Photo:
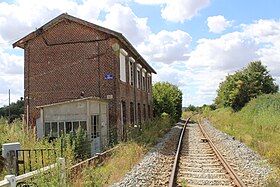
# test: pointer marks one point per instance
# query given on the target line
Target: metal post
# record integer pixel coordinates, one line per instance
(16, 163)
(9, 107)
(62, 167)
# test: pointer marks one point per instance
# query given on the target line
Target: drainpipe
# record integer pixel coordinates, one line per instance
(98, 61)
(28, 90)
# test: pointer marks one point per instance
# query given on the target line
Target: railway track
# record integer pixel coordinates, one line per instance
(199, 163)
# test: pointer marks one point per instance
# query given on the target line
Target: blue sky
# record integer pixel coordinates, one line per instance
(191, 43)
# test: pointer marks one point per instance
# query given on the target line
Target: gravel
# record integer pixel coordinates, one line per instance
(155, 168)
(253, 170)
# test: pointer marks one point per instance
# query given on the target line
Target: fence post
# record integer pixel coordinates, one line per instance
(12, 180)
(61, 162)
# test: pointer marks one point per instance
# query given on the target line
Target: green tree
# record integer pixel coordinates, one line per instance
(167, 98)
(238, 89)
(16, 110)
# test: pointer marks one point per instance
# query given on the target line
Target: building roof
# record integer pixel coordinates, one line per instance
(72, 101)
(21, 43)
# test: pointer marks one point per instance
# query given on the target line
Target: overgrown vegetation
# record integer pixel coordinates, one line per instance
(15, 132)
(126, 156)
(257, 125)
(122, 160)
(167, 98)
(238, 89)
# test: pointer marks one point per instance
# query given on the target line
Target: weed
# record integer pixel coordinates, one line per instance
(184, 183)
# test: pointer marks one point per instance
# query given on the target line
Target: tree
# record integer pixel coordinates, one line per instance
(167, 98)
(16, 110)
(239, 88)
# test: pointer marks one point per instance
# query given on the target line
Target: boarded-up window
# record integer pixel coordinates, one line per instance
(123, 54)
(131, 71)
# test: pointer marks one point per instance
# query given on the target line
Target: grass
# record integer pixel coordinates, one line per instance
(15, 132)
(122, 160)
(126, 156)
(257, 125)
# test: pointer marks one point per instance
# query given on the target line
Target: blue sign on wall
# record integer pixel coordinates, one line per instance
(108, 77)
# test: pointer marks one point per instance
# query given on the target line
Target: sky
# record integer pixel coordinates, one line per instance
(193, 44)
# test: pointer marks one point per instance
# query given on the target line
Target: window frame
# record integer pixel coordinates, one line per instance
(123, 55)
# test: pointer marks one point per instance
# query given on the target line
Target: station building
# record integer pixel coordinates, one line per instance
(78, 74)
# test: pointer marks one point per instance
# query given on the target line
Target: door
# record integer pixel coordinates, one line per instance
(123, 121)
(95, 134)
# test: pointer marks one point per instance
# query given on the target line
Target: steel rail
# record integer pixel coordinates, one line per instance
(174, 169)
(237, 181)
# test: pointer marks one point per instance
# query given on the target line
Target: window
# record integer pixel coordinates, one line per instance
(144, 83)
(75, 126)
(47, 129)
(55, 129)
(149, 111)
(139, 113)
(54, 132)
(61, 128)
(123, 107)
(131, 112)
(131, 71)
(123, 54)
(68, 127)
(144, 111)
(138, 78)
(83, 125)
(149, 82)
(95, 126)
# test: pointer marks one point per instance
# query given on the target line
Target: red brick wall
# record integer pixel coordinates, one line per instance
(65, 60)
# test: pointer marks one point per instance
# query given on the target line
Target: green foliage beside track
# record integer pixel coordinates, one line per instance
(257, 125)
(238, 89)
(167, 98)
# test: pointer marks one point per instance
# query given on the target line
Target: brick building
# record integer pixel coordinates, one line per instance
(69, 58)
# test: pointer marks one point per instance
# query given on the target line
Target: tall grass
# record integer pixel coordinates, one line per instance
(257, 125)
(126, 156)
(15, 132)
(121, 161)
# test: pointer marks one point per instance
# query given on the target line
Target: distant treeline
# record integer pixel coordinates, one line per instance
(16, 110)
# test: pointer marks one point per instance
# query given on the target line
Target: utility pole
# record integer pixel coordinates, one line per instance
(9, 106)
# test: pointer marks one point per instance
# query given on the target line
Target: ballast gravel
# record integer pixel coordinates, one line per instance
(252, 169)
(155, 168)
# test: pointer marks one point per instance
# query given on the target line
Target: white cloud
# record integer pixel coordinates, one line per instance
(181, 10)
(122, 19)
(11, 77)
(10, 64)
(178, 10)
(150, 2)
(266, 34)
(229, 52)
(233, 51)
(21, 17)
(170, 73)
(218, 24)
(166, 46)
